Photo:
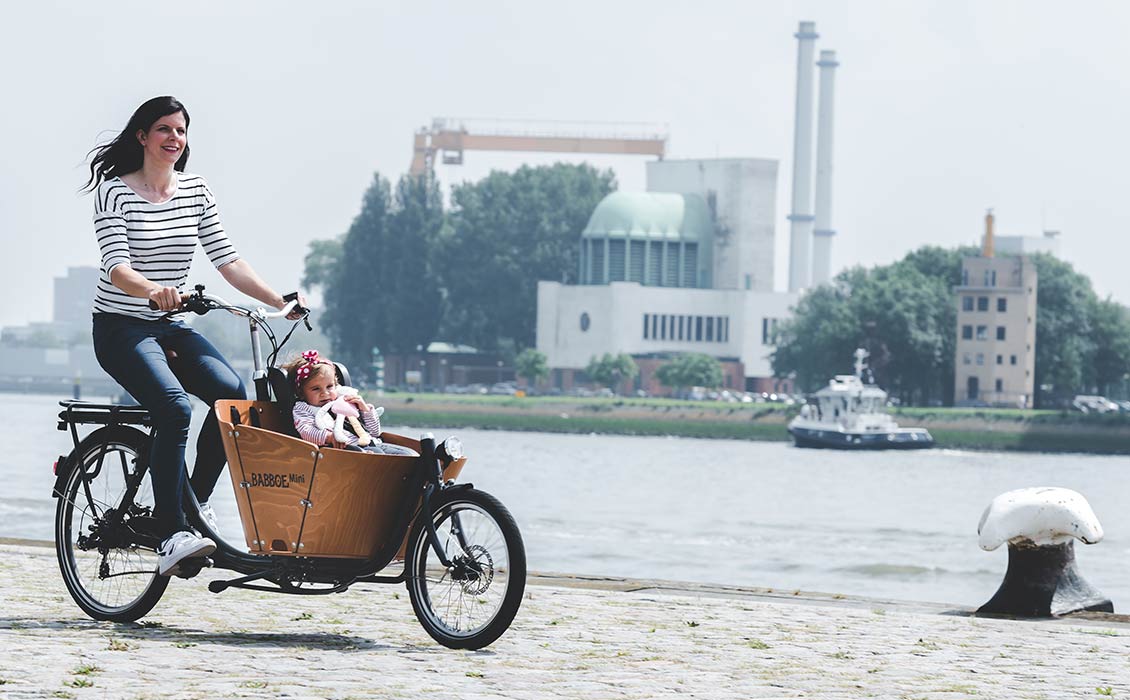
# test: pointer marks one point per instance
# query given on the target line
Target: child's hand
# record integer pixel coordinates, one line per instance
(359, 402)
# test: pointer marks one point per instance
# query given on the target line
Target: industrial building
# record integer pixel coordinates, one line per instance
(687, 266)
(995, 353)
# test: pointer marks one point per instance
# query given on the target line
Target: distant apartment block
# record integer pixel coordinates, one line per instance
(996, 329)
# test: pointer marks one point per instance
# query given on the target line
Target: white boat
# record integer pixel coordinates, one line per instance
(849, 414)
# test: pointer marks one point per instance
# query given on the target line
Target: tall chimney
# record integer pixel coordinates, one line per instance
(987, 244)
(800, 230)
(822, 236)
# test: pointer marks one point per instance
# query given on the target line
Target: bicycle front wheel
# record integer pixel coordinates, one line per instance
(109, 564)
(471, 603)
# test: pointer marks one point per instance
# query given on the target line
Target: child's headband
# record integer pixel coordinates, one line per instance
(310, 359)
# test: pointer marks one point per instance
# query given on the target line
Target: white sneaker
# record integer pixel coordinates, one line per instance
(209, 517)
(182, 545)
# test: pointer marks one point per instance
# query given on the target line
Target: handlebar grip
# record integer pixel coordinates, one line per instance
(180, 307)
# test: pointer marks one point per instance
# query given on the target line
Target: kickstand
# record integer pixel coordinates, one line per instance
(221, 586)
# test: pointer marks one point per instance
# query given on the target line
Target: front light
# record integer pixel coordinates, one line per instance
(453, 448)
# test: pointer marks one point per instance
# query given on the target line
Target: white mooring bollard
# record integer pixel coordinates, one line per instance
(1040, 526)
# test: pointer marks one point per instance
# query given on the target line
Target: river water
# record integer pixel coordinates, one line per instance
(895, 524)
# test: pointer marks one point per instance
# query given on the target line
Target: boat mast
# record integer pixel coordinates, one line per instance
(860, 356)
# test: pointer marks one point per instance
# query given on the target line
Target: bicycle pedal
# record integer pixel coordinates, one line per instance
(191, 567)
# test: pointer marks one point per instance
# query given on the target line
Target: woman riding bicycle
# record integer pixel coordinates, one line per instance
(148, 216)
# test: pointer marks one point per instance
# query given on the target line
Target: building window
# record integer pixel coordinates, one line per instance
(698, 328)
(964, 277)
(654, 326)
(1000, 385)
(980, 358)
(749, 281)
(663, 327)
(1002, 304)
(690, 265)
(1000, 332)
(1000, 359)
(681, 327)
(1012, 359)
(982, 332)
(596, 272)
(982, 303)
(709, 329)
(967, 332)
(967, 303)
(966, 358)
(990, 278)
(654, 261)
(616, 268)
(585, 321)
(645, 326)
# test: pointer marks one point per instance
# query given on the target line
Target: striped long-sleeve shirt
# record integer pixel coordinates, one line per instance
(156, 240)
(304, 423)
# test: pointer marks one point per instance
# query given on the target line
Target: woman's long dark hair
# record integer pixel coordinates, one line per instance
(124, 154)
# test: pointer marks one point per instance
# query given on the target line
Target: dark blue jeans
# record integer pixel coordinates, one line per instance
(160, 363)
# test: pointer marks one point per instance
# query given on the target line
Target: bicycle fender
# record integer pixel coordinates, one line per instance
(70, 463)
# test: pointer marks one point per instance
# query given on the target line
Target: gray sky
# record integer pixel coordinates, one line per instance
(942, 110)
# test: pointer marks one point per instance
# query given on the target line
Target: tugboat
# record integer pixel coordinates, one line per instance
(849, 415)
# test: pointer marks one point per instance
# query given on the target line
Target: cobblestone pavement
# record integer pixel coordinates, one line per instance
(573, 639)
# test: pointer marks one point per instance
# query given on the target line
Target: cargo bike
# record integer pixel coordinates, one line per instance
(316, 520)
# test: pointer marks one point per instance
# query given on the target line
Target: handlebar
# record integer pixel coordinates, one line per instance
(201, 303)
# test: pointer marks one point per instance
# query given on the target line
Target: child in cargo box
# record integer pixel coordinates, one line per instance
(315, 386)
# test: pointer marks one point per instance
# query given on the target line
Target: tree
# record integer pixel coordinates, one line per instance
(408, 284)
(321, 262)
(1064, 302)
(381, 288)
(903, 314)
(611, 369)
(691, 369)
(532, 365)
(1110, 322)
(508, 231)
(355, 315)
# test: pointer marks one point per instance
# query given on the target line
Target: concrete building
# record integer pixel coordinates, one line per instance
(996, 328)
(740, 197)
(685, 267)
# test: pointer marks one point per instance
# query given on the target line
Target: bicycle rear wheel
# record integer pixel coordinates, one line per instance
(106, 555)
(471, 603)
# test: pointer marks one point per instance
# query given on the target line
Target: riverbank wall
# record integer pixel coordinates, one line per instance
(979, 429)
(574, 637)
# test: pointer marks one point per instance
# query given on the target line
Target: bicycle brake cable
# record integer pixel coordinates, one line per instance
(278, 348)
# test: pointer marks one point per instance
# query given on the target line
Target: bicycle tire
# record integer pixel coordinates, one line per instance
(458, 610)
(88, 563)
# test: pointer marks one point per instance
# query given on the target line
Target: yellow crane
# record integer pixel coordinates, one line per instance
(453, 136)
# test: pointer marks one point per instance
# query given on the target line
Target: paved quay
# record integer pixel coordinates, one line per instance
(574, 637)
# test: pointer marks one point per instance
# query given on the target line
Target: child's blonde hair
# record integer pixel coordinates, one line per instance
(307, 366)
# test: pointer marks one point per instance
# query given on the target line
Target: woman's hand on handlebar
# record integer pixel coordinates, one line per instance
(300, 310)
(164, 298)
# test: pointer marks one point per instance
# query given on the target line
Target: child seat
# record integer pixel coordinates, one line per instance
(299, 499)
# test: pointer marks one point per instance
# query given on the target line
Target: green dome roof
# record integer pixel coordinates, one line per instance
(650, 215)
